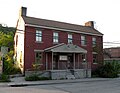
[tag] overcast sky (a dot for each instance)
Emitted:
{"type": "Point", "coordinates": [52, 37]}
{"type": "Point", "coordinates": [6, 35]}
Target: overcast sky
{"type": "Point", "coordinates": [105, 13]}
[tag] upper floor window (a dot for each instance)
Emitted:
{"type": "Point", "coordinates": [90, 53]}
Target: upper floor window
{"type": "Point", "coordinates": [83, 40]}
{"type": "Point", "coordinates": [94, 41]}
{"type": "Point", "coordinates": [55, 37]}
{"type": "Point", "coordinates": [38, 35]}
{"type": "Point", "coordinates": [70, 39]}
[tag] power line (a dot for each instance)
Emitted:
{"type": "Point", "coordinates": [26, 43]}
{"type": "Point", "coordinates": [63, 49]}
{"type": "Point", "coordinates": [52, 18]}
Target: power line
{"type": "Point", "coordinates": [48, 35]}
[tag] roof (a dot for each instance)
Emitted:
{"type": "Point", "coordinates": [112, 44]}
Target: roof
{"type": "Point", "coordinates": [60, 25]}
{"type": "Point", "coordinates": [66, 48]}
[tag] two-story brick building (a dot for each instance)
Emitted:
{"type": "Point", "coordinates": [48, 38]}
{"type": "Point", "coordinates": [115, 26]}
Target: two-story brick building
{"type": "Point", "coordinates": [57, 46]}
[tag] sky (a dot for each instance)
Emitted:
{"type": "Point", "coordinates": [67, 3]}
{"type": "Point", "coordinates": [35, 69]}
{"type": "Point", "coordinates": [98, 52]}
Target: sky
{"type": "Point", "coordinates": [105, 14]}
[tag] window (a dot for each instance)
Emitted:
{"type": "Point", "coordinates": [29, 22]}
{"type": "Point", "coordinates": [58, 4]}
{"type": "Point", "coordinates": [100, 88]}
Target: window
{"type": "Point", "coordinates": [38, 35]}
{"type": "Point", "coordinates": [94, 41]}
{"type": "Point", "coordinates": [83, 40]}
{"type": "Point", "coordinates": [83, 58]}
{"type": "Point", "coordinates": [38, 57]}
{"type": "Point", "coordinates": [94, 58]}
{"type": "Point", "coordinates": [70, 38]}
{"type": "Point", "coordinates": [16, 40]}
{"type": "Point", "coordinates": [55, 37]}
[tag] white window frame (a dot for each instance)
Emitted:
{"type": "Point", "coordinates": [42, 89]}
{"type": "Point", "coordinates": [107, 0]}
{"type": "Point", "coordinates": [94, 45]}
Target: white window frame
{"type": "Point", "coordinates": [83, 40]}
{"type": "Point", "coordinates": [38, 60]}
{"type": "Point", "coordinates": [38, 36]}
{"type": "Point", "coordinates": [93, 41]}
{"type": "Point", "coordinates": [70, 38]}
{"type": "Point", "coordinates": [55, 37]}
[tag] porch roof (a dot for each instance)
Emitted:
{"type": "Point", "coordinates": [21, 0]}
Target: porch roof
{"type": "Point", "coordinates": [66, 48]}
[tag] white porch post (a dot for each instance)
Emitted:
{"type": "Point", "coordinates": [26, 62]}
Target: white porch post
{"type": "Point", "coordinates": [78, 62]}
{"type": "Point", "coordinates": [74, 60]}
{"type": "Point", "coordinates": [52, 60]}
{"type": "Point", "coordinates": [86, 65]}
{"type": "Point", "coordinates": [46, 61]}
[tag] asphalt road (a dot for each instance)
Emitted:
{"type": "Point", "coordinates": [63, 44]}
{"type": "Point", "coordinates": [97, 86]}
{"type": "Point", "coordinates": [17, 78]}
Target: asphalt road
{"type": "Point", "coordinates": [107, 86]}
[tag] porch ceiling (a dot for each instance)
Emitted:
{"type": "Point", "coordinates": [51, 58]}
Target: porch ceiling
{"type": "Point", "coordinates": [66, 48]}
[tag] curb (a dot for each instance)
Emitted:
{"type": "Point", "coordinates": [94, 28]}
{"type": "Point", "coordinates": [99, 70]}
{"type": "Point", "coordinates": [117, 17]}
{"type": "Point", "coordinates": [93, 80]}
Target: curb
{"type": "Point", "coordinates": [50, 83]}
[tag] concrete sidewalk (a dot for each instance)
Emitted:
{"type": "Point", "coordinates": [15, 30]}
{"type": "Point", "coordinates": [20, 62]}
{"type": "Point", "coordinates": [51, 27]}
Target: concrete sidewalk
{"type": "Point", "coordinates": [19, 81]}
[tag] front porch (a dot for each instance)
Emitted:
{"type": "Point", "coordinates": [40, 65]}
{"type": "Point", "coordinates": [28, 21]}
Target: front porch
{"type": "Point", "coordinates": [66, 56]}
{"type": "Point", "coordinates": [66, 60]}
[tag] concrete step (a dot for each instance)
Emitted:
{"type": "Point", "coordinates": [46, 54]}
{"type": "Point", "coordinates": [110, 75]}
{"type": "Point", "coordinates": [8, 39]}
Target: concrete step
{"type": "Point", "coordinates": [70, 77]}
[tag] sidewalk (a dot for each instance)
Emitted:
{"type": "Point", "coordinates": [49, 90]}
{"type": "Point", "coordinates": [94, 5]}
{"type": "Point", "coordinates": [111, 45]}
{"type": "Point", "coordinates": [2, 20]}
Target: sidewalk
{"type": "Point", "coordinates": [19, 81]}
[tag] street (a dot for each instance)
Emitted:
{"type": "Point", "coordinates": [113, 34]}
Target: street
{"type": "Point", "coordinates": [104, 86]}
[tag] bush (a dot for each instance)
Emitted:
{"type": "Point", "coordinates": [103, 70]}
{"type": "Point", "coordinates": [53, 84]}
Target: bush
{"type": "Point", "coordinates": [35, 78]}
{"type": "Point", "coordinates": [10, 68]}
{"type": "Point", "coordinates": [109, 70]}
{"type": "Point", "coordinates": [4, 78]}
{"type": "Point", "coordinates": [32, 78]}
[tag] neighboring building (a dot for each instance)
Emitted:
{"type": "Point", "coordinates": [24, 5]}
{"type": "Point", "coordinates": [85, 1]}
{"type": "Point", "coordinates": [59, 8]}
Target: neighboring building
{"type": "Point", "coordinates": [111, 54]}
{"type": "Point", "coordinates": [57, 46]}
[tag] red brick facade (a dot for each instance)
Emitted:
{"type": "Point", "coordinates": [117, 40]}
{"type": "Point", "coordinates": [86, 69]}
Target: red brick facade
{"type": "Point", "coordinates": [31, 46]}
{"type": "Point", "coordinates": [47, 41]}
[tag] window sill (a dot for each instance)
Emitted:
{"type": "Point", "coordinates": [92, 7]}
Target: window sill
{"type": "Point", "coordinates": [84, 45]}
{"type": "Point", "coordinates": [93, 46]}
{"type": "Point", "coordinates": [84, 62]}
{"type": "Point", "coordinates": [95, 63]}
{"type": "Point", "coordinates": [38, 42]}
{"type": "Point", "coordinates": [55, 42]}
{"type": "Point", "coordinates": [38, 64]}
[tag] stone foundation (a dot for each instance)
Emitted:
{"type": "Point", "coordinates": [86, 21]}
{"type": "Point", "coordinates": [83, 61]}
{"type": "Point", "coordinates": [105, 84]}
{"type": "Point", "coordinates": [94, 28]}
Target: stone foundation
{"type": "Point", "coordinates": [62, 74]}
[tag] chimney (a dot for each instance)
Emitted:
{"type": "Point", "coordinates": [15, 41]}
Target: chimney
{"type": "Point", "coordinates": [90, 24]}
{"type": "Point", "coordinates": [23, 11]}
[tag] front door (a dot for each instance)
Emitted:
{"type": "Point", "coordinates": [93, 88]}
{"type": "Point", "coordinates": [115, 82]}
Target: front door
{"type": "Point", "coordinates": [55, 61]}
{"type": "Point", "coordinates": [70, 61]}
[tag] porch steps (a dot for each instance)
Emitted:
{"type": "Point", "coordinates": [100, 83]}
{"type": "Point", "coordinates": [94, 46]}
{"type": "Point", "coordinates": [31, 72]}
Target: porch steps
{"type": "Point", "coordinates": [69, 74]}
{"type": "Point", "coordinates": [70, 77]}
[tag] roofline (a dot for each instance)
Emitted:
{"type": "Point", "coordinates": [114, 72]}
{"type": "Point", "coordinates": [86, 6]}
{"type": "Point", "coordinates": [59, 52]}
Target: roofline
{"type": "Point", "coordinates": [53, 46]}
{"type": "Point", "coordinates": [62, 29]}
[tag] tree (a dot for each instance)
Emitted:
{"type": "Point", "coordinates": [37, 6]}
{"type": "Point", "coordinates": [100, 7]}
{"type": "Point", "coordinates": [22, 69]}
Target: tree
{"type": "Point", "coordinates": [7, 36]}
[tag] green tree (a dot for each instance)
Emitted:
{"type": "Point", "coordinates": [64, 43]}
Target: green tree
{"type": "Point", "coordinates": [7, 39]}
{"type": "Point", "coordinates": [7, 36]}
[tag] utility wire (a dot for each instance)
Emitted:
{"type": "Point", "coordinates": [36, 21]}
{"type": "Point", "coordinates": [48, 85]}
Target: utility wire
{"type": "Point", "coordinates": [47, 36]}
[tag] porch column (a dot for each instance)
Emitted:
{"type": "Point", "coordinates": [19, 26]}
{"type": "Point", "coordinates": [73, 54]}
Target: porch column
{"type": "Point", "coordinates": [86, 65]}
{"type": "Point", "coordinates": [52, 60]}
{"type": "Point", "coordinates": [46, 61]}
{"type": "Point", "coordinates": [78, 61]}
{"type": "Point", "coordinates": [74, 60]}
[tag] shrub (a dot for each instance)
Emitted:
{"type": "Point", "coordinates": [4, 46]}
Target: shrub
{"type": "Point", "coordinates": [108, 70]}
{"type": "Point", "coordinates": [10, 68]}
{"type": "Point", "coordinates": [35, 78]}
{"type": "Point", "coordinates": [32, 78]}
{"type": "Point", "coordinates": [4, 78]}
